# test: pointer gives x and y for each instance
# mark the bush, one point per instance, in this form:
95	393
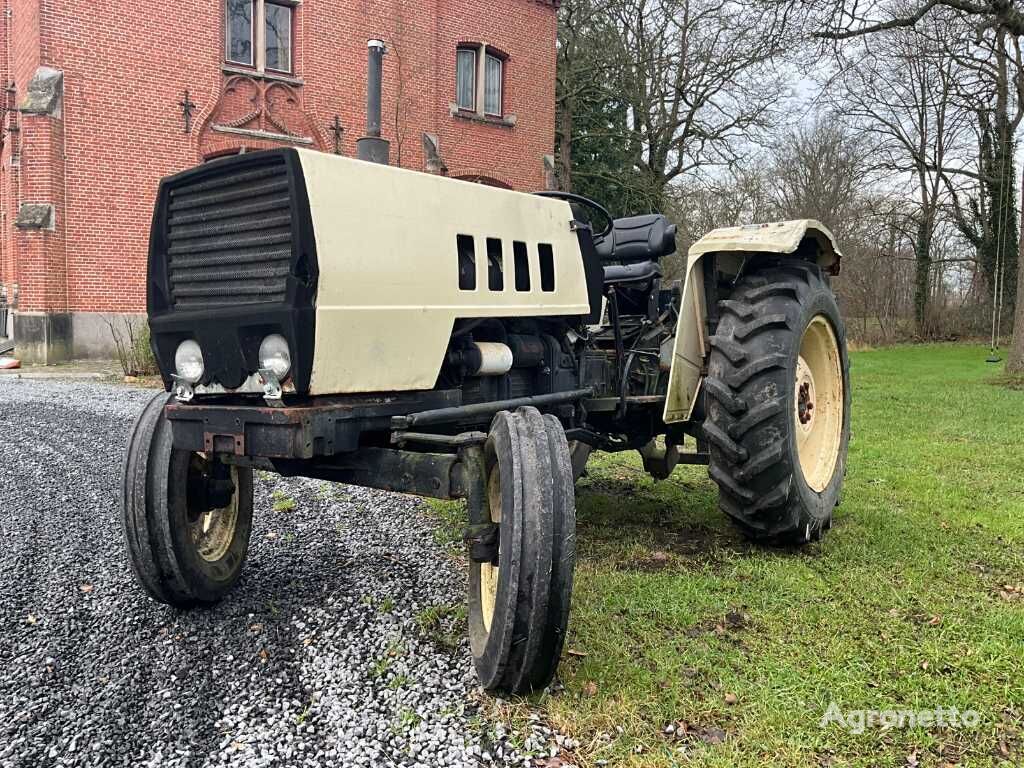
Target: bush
132	344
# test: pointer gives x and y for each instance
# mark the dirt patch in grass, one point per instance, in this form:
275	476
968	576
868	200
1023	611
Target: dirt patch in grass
1008	381
684	548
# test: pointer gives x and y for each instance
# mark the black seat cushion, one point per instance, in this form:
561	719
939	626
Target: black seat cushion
641	238
615	274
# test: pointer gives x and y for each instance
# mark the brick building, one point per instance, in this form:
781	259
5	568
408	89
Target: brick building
104	98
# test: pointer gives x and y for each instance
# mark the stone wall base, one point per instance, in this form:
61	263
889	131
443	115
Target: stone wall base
47	338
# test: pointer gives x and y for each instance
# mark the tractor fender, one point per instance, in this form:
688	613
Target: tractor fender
801	239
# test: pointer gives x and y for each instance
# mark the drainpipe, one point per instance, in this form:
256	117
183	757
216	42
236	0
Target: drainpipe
372	147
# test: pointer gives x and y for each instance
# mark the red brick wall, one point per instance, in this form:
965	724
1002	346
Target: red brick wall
126	66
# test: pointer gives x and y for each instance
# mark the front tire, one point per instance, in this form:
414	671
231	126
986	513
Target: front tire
519	604
778	394
187	519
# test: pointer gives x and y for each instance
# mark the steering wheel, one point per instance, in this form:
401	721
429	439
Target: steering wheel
578	201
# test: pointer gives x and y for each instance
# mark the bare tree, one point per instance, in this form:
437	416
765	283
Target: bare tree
994	24
581	83
684	85
821	171
900	93
845	19
740	195
983	194
1015	358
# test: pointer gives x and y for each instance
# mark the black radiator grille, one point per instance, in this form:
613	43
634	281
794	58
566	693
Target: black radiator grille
230	238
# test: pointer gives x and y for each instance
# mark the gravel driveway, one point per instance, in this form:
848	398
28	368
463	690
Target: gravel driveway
342	645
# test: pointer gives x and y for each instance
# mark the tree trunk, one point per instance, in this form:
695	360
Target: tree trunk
1015	358
565	145
922	257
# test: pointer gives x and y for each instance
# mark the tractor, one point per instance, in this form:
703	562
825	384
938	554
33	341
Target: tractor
319	316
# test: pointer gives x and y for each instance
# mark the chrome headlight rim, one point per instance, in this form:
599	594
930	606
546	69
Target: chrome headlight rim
275	355
189	364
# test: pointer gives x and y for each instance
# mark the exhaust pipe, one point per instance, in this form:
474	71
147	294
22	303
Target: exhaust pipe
371	147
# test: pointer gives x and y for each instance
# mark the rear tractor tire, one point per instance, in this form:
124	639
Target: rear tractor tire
778	403
187	518
519	602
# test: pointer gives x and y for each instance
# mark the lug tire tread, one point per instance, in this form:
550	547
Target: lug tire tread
748	424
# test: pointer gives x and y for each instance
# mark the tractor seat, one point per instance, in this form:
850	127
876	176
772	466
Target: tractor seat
638	239
640	272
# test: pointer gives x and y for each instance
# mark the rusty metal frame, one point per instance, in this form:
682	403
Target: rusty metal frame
324	426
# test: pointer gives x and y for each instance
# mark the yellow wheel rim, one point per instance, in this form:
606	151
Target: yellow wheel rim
213	531
489	573
818	403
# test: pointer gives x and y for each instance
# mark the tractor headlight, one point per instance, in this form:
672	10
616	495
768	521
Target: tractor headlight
275	356
188	362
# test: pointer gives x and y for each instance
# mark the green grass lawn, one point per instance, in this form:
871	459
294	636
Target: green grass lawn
915	600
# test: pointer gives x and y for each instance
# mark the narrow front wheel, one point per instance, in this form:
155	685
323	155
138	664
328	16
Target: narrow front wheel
187	516
519	602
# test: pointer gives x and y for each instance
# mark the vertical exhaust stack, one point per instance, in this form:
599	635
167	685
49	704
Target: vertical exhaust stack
372	147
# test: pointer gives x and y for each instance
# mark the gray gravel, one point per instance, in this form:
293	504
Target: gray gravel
319	656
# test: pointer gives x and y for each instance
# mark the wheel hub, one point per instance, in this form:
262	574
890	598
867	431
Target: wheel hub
212	506
805	394
818	403
489	572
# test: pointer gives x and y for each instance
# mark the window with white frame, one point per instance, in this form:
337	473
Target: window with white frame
493	73
258	34
479	80
465	77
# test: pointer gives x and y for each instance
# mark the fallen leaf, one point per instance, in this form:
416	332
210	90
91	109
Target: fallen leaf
924	665
731	698
31	619
590	689
912	761
1010	592
935	620
264	655
86	588
578	654
256	628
